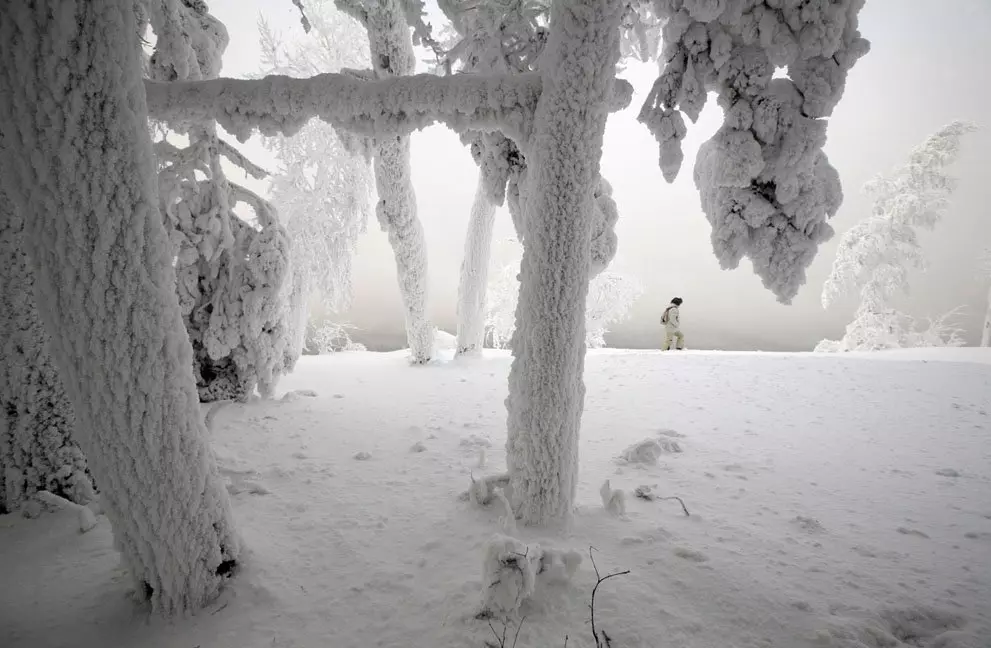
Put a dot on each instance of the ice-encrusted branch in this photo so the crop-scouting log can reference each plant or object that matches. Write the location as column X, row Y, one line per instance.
column 280, row 105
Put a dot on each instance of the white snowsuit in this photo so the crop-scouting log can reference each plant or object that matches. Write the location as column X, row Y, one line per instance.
column 672, row 328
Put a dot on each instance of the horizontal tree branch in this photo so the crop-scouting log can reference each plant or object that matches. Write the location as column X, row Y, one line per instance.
column 278, row 105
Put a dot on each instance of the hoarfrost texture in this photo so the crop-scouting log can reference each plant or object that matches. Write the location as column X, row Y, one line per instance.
column 767, row 188
column 37, row 449
column 546, row 391
column 77, row 163
column 232, row 270
column 324, row 183
column 391, row 52
column 876, row 256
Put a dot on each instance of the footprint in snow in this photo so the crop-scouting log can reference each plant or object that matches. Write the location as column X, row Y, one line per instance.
column 809, row 525
column 911, row 532
column 418, row 447
column 690, row 554
column 978, row 535
column 947, row 472
column 362, row 456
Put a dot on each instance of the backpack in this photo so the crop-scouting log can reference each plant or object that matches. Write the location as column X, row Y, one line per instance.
column 664, row 317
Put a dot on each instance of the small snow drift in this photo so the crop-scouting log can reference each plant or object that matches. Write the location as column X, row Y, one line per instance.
column 648, row 451
column 482, row 491
column 614, row 501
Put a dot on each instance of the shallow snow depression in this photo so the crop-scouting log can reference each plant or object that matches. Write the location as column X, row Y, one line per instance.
column 835, row 501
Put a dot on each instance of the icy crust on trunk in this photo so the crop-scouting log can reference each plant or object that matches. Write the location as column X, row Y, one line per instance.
column 475, row 271
column 392, row 55
column 37, row 449
column 546, row 391
column 767, row 188
column 77, row 160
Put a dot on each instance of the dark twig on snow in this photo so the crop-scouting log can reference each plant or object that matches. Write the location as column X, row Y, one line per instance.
column 501, row 639
column 604, row 641
column 680, row 501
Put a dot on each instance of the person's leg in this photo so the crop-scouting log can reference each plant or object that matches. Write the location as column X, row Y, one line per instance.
column 668, row 339
column 681, row 340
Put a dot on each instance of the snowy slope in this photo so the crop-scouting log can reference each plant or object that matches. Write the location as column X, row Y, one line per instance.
column 835, row 501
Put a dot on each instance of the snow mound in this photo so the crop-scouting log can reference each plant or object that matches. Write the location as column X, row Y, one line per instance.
column 362, row 456
column 648, row 451
column 514, row 572
column 297, row 394
column 614, row 501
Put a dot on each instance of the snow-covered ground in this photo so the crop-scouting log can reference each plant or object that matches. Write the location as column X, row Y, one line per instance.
column 835, row 501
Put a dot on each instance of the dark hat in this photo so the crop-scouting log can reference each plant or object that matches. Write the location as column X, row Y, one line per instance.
column 676, row 301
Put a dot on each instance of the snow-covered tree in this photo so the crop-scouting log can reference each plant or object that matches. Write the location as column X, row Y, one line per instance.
column 37, row 449
column 323, row 185
column 391, row 54
column 876, row 256
column 77, row 163
column 232, row 270
column 610, row 297
column 774, row 211
column 767, row 188
column 986, row 274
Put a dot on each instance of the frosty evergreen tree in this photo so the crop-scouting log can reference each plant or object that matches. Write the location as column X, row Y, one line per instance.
column 324, row 185
column 77, row 163
column 232, row 272
column 37, row 449
column 877, row 254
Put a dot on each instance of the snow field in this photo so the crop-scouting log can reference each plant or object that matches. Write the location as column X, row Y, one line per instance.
column 834, row 501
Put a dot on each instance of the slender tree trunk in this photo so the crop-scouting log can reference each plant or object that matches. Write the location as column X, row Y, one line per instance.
column 392, row 55
column 475, row 273
column 546, row 391
column 986, row 333
column 77, row 160
column 37, row 448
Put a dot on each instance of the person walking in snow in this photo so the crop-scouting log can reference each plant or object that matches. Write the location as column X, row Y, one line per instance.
column 672, row 325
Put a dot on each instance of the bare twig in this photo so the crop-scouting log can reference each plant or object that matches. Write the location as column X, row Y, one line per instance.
column 680, row 501
column 219, row 609
column 605, row 641
column 518, row 628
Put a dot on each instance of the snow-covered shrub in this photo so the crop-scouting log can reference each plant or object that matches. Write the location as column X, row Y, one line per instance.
column 767, row 188
column 37, row 449
column 330, row 337
column 231, row 270
column 512, row 572
column 875, row 257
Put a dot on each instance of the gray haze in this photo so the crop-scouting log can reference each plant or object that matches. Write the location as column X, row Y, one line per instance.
column 927, row 67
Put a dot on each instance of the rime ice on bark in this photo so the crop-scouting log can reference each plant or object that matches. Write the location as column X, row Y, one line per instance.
column 232, row 274
column 474, row 272
column 767, row 188
column 77, row 162
column 877, row 254
column 546, row 392
column 37, row 449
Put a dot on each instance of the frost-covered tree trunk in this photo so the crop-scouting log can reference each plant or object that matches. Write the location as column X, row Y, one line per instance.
column 546, row 391
column 79, row 166
column 986, row 332
column 37, row 449
column 475, row 272
column 392, row 55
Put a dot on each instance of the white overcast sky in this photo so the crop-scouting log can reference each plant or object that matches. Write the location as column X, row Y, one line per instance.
column 925, row 69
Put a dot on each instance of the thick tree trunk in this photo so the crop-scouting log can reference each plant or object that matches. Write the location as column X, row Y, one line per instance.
column 475, row 273
column 986, row 333
column 392, row 55
column 546, row 391
column 77, row 161
column 37, row 449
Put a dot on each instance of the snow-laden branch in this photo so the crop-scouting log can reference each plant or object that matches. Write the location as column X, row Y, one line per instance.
column 280, row 105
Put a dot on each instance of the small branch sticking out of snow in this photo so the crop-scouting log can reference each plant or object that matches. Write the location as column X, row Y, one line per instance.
column 645, row 493
column 604, row 641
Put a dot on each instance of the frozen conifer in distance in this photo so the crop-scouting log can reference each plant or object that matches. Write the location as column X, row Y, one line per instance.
column 106, row 288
